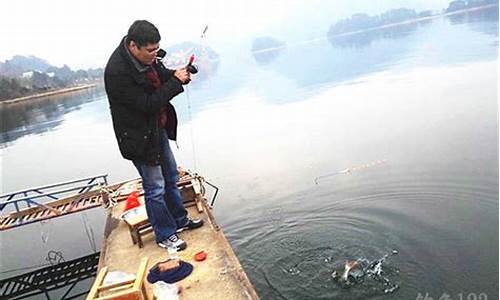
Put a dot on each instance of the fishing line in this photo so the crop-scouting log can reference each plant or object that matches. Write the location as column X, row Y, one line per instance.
column 350, row 170
column 193, row 147
column 188, row 103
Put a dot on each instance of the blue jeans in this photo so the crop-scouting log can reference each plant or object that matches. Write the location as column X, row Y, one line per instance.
column 163, row 199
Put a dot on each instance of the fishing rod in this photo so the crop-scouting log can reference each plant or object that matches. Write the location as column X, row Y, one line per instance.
column 192, row 69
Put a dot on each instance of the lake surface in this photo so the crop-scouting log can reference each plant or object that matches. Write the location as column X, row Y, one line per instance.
column 325, row 151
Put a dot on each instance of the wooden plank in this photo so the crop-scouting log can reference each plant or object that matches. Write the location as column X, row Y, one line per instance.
column 199, row 205
column 117, row 284
column 98, row 281
column 141, row 272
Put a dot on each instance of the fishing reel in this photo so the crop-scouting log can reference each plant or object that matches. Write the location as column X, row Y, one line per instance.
column 190, row 67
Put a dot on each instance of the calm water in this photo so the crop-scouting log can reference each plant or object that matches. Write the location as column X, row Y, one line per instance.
column 412, row 113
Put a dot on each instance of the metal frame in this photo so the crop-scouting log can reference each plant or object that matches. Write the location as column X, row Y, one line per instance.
column 215, row 195
column 44, row 193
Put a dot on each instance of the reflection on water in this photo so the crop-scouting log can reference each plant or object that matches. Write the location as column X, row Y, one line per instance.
column 478, row 16
column 266, row 49
column 41, row 115
column 423, row 101
column 365, row 38
column 373, row 51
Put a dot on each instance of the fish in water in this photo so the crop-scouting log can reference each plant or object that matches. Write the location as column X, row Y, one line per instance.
column 355, row 271
column 352, row 271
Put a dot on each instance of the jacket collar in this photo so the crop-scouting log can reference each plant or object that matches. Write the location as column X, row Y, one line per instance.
column 127, row 56
column 137, row 64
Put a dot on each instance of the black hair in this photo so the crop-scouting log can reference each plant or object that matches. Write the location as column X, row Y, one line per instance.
column 143, row 33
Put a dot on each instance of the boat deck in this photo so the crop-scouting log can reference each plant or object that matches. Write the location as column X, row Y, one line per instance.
column 220, row 276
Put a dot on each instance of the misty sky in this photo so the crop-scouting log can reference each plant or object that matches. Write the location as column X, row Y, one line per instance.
column 82, row 34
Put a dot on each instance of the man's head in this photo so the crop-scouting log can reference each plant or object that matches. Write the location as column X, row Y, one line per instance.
column 143, row 41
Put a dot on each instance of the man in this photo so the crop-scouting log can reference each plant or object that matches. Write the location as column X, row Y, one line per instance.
column 139, row 89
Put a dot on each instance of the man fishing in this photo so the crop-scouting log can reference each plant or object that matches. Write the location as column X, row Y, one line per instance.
column 139, row 90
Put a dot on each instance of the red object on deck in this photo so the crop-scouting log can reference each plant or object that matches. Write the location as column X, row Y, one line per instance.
column 132, row 201
column 200, row 256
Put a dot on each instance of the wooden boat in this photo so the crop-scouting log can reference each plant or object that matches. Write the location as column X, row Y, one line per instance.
column 220, row 276
column 125, row 247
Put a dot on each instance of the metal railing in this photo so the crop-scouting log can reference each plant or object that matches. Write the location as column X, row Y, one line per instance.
column 35, row 197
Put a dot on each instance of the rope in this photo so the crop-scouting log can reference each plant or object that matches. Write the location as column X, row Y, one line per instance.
column 89, row 231
column 55, row 257
column 108, row 196
column 44, row 234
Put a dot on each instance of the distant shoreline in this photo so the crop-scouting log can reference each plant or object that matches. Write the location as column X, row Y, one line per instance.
column 416, row 20
column 51, row 93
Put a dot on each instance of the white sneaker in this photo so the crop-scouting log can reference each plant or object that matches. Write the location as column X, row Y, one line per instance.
column 191, row 224
column 173, row 241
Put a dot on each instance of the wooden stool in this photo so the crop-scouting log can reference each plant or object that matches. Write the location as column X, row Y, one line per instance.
column 138, row 230
column 127, row 290
column 138, row 225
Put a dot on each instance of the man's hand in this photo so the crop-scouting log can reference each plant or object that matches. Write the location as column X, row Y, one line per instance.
column 183, row 75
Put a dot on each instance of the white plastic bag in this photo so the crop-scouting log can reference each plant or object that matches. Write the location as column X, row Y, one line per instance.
column 117, row 276
column 165, row 291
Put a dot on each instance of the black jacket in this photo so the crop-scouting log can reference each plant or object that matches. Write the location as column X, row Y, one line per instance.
column 135, row 106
